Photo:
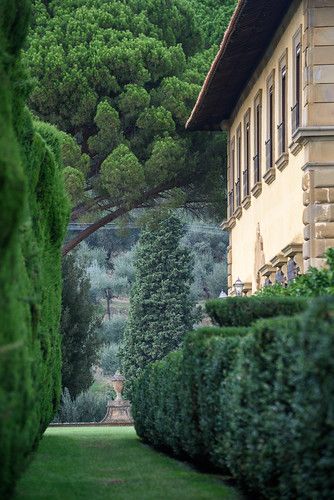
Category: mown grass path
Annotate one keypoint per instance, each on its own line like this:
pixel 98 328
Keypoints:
pixel 111 463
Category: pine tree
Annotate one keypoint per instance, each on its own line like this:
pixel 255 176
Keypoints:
pixel 129 73
pixel 161 307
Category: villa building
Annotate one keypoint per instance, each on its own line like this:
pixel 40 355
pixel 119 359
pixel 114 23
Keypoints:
pixel 271 87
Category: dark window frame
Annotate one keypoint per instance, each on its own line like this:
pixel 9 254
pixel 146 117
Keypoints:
pixel 270 142
pixel 247 154
pixel 238 167
pixel 297 81
pixel 232 177
pixel 257 138
pixel 283 103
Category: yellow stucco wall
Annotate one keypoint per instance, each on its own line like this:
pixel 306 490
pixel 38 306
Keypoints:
pixel 279 207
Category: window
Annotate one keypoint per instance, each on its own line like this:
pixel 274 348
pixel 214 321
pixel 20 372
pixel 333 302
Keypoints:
pixel 270 122
pixel 296 109
pixel 257 138
pixel 231 178
pixel 238 183
pixel 282 127
pixel 245 174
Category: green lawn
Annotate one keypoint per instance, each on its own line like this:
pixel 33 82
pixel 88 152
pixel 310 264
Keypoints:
pixel 111 463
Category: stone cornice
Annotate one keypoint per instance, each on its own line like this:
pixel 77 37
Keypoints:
pixel 311 165
pixel 304 134
pixel 257 189
pixel 246 202
pixel 292 249
pixel 279 260
pixel 269 176
pixel 282 161
pixel 229 224
pixel 238 212
pixel 295 147
pixel 267 270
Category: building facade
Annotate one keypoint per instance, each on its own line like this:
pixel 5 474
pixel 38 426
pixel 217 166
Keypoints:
pixel 271 87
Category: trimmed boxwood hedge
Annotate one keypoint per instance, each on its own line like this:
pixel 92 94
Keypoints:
pixel 257 402
pixel 33 211
pixel 243 311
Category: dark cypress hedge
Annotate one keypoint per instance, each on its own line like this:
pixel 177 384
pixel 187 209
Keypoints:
pixel 243 311
pixel 33 217
pixel 206 361
pixel 157 404
pixel 258 395
pixel 162 404
pixel 259 405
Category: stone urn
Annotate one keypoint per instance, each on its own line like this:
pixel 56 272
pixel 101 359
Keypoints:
pixel 118 385
pixel 119 409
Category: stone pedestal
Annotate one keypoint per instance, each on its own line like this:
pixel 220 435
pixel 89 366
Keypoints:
pixel 118 413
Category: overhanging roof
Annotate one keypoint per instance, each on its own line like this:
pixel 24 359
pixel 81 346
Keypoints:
pixel 246 39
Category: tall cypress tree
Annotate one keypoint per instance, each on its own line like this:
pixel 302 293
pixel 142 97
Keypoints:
pixel 80 321
pixel 161 308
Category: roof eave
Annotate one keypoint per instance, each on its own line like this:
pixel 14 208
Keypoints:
pixel 191 122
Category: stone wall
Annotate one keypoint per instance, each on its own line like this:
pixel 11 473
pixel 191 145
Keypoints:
pixel 318 136
pixel 318 187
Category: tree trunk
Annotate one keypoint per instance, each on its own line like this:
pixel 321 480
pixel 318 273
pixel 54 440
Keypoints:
pixel 149 195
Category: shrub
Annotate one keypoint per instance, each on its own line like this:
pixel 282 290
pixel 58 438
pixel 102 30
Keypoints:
pixel 89 406
pixel 33 220
pixel 258 402
pixel 243 311
pixel 67 411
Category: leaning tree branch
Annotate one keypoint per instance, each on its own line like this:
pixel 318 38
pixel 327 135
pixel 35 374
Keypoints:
pixel 92 228
pixel 122 210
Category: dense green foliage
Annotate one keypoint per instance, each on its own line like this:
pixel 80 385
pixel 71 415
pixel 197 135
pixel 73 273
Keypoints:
pixel 33 218
pixel 257 404
pixel 213 17
pixel 122 78
pixel 313 283
pixel 243 311
pixel 161 309
pixel 80 321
